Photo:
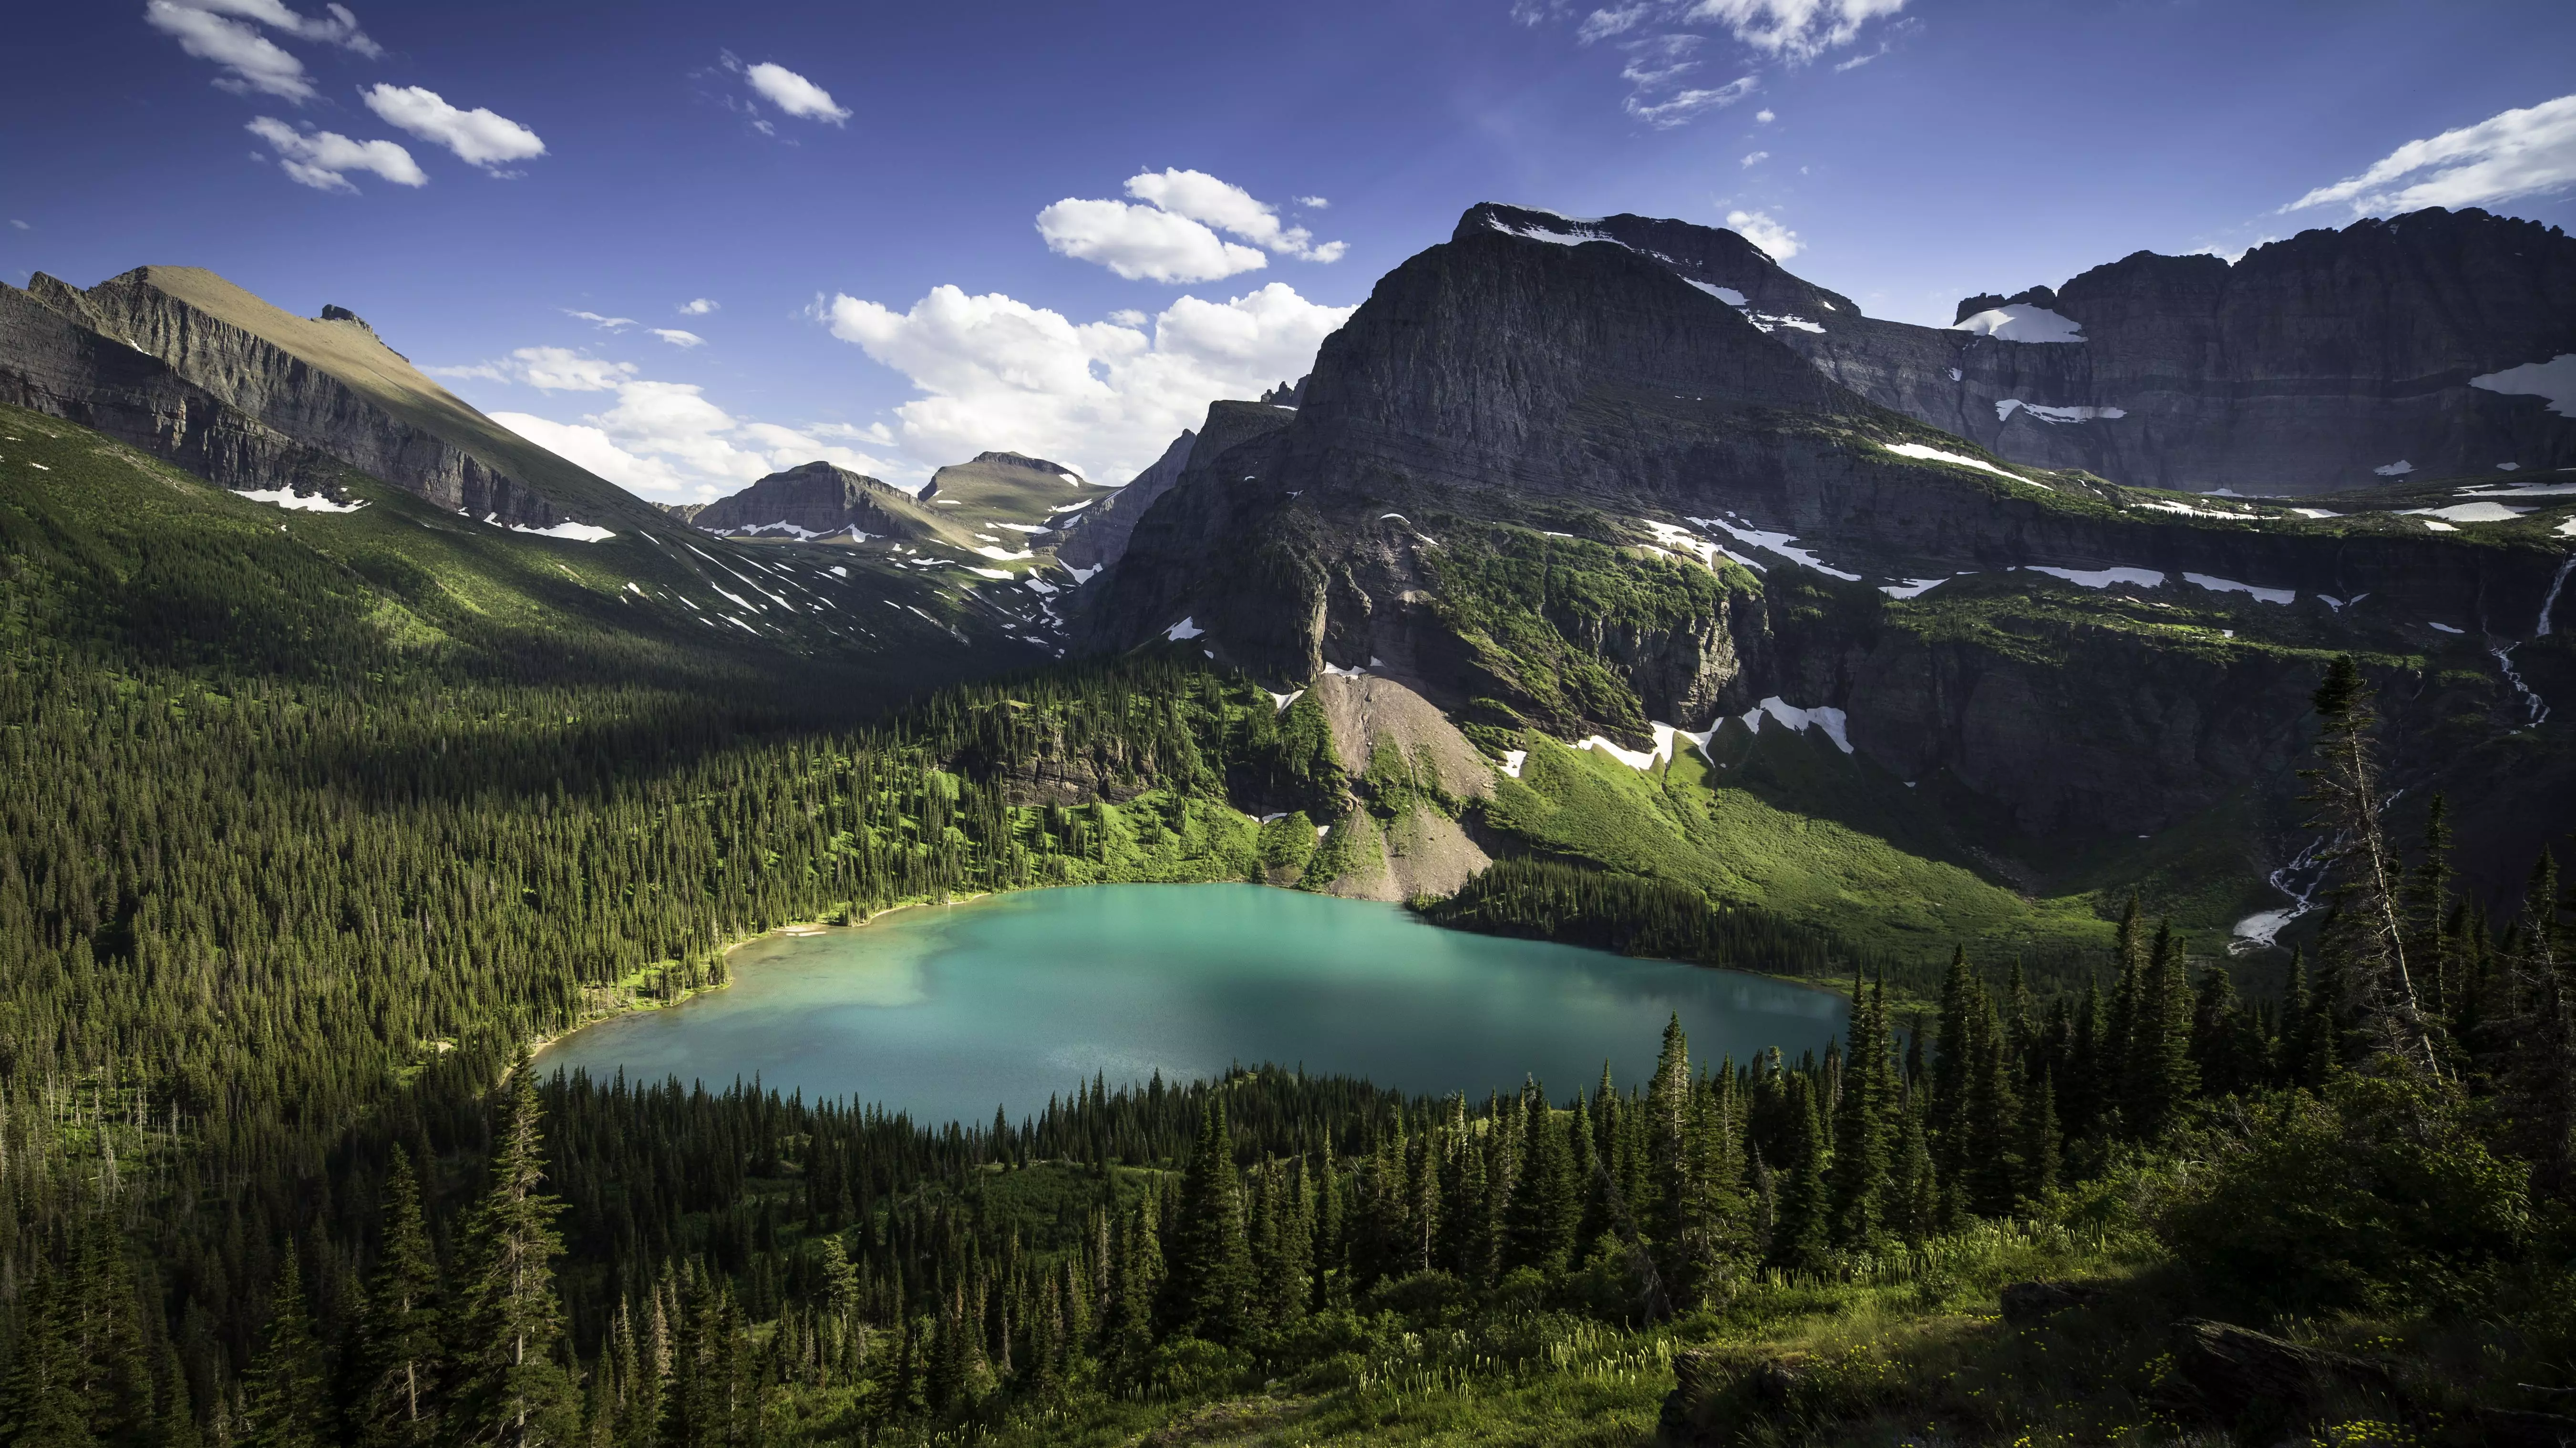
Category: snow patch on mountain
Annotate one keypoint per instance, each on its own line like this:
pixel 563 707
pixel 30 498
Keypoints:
pixel 2554 380
pixel 2005 409
pixel 2022 322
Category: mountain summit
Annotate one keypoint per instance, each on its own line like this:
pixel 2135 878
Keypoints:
pixel 2328 361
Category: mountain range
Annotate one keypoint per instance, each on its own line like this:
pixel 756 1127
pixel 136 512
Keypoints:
pixel 2021 605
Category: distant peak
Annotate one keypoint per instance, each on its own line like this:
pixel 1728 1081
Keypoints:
pixel 1019 460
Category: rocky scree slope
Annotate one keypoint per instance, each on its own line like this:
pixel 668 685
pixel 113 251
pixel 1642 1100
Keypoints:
pixel 1552 483
pixel 2417 344
pixel 331 385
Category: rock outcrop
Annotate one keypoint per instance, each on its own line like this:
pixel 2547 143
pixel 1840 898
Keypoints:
pixel 1556 381
pixel 2324 362
pixel 815 500
pixel 53 365
pixel 330 385
pixel 1098 535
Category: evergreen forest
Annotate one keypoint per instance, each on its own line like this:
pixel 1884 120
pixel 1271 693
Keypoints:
pixel 302 847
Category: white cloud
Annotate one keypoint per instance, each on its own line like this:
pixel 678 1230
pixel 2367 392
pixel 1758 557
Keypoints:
pixel 1313 203
pixel 1756 158
pixel 1173 237
pixel 611 324
pixel 1795 31
pixel 676 337
pixel 2516 153
pixel 788 91
pixel 1764 116
pixel 548 369
pixel 1667 35
pixel 697 308
pixel 1143 243
pixel 1758 228
pixel 1602 24
pixel 478 137
pixel 22 226
pixel 1108 396
pixel 319 159
pixel 663 440
pixel 215 30
pixel 1229 208
pixel 1686 106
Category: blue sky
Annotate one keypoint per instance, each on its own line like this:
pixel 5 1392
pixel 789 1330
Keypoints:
pixel 925 231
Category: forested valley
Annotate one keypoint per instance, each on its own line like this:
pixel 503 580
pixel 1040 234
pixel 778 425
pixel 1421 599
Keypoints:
pixel 286 898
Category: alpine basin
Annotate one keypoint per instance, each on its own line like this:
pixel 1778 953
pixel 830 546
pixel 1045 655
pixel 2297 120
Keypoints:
pixel 948 1012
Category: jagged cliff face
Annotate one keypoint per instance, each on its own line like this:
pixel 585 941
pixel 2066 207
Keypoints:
pixel 1091 537
pixel 1553 384
pixel 52 365
pixel 333 387
pixel 2309 365
pixel 1098 535
pixel 816 500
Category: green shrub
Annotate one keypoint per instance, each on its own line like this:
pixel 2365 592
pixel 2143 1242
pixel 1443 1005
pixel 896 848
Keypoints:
pixel 2378 1196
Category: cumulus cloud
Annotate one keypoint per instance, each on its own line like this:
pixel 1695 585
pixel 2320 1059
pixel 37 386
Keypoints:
pixel 698 308
pixel 1107 396
pixel 1756 158
pixel 790 92
pixel 663 440
pixel 2516 153
pixel 478 137
pixel 1231 209
pixel 676 337
pixel 321 159
pixel 1758 228
pixel 1172 236
pixel 1313 203
pixel 227 32
pixel 1764 116
pixel 1143 243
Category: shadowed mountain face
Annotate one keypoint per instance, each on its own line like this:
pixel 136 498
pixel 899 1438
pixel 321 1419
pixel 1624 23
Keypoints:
pixel 1562 483
pixel 816 500
pixel 2325 362
pixel 326 384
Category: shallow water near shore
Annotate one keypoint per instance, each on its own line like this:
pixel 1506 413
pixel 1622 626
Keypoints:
pixel 947 1012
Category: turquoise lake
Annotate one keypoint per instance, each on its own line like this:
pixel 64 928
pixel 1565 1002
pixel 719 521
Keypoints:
pixel 947 1012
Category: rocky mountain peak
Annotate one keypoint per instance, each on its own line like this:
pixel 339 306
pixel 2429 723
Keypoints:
pixel 1019 460
pixel 1989 301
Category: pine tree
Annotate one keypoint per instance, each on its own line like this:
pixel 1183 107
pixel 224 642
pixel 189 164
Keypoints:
pixel 1800 1234
pixel 509 1388
pixel 1950 1070
pixel 1858 1177
pixel 2539 1068
pixel 2428 911
pixel 288 1394
pixel 1545 1204
pixel 2161 1074
pixel 44 1403
pixel 2370 945
pixel 1992 1181
pixel 401 1333
pixel 2037 1150
pixel 1208 1285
